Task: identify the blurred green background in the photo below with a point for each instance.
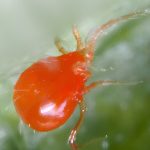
(117, 116)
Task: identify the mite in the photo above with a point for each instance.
(47, 93)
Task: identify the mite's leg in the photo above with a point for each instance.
(77, 37)
(59, 46)
(75, 130)
(101, 29)
(109, 82)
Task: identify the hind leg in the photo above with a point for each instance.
(75, 130)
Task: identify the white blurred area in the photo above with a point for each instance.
(28, 27)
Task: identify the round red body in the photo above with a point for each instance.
(47, 92)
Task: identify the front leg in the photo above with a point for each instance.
(109, 82)
(60, 47)
(77, 37)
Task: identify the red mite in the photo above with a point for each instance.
(47, 93)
